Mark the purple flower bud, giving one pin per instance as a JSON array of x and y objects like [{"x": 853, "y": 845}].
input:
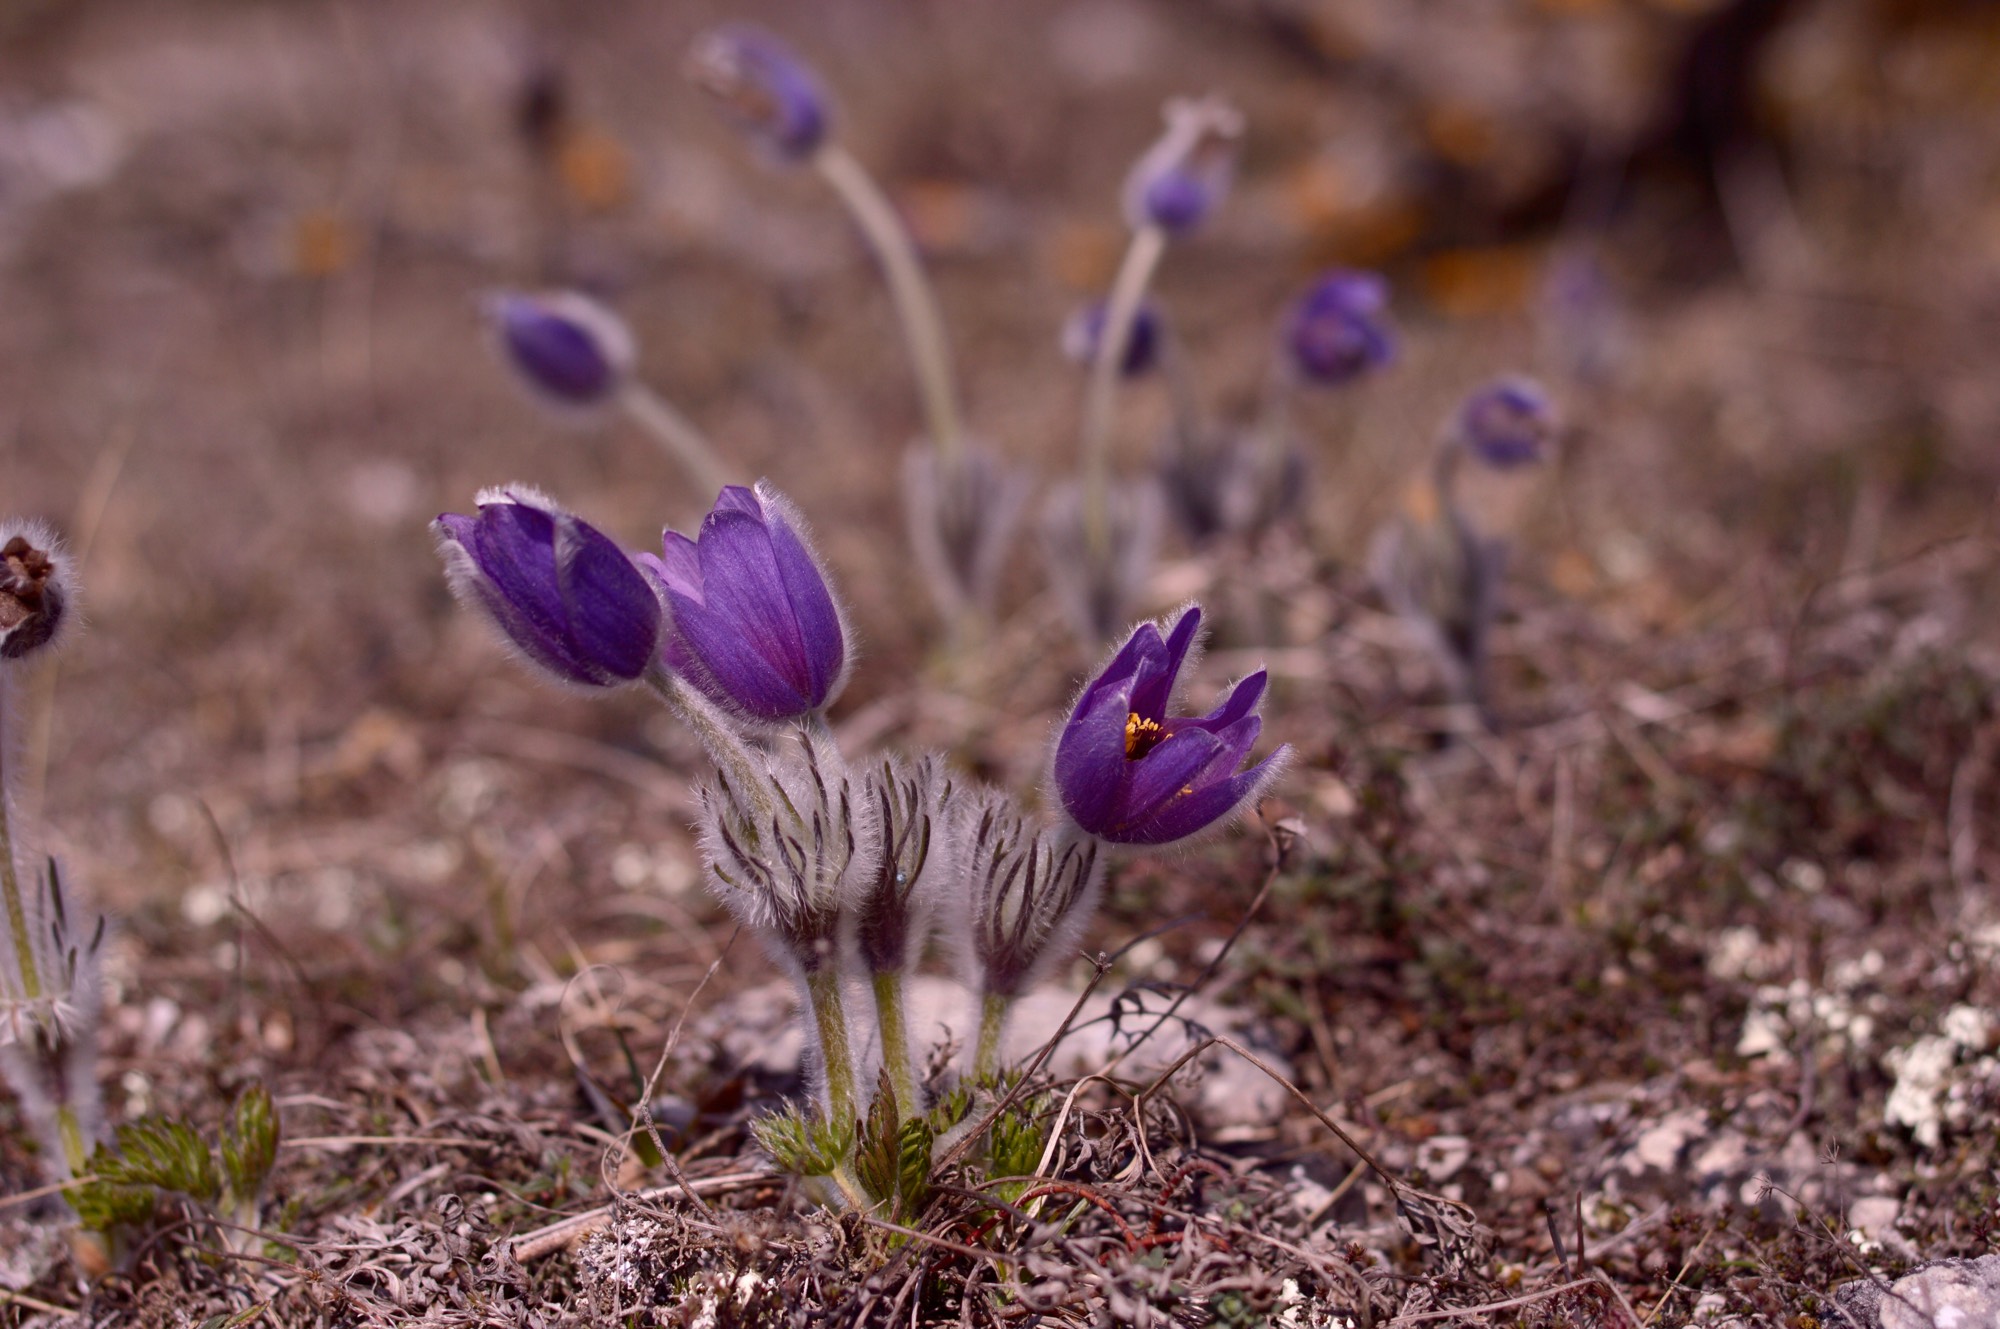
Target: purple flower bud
[
  {"x": 1187, "y": 171},
  {"x": 1508, "y": 423},
  {"x": 1337, "y": 332},
  {"x": 753, "y": 621},
  {"x": 1085, "y": 329},
  {"x": 569, "y": 350},
  {"x": 1129, "y": 772},
  {"x": 764, "y": 87},
  {"x": 34, "y": 589},
  {"x": 560, "y": 590}
]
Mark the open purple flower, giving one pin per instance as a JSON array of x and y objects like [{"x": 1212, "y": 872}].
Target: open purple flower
[
  {"x": 1508, "y": 423},
  {"x": 1338, "y": 330},
  {"x": 764, "y": 87},
  {"x": 753, "y": 621},
  {"x": 559, "y": 589},
  {"x": 1085, "y": 329},
  {"x": 1187, "y": 171},
  {"x": 1130, "y": 773},
  {"x": 570, "y": 350}
]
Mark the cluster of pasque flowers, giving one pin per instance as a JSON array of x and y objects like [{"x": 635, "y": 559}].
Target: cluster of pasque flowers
[
  {"x": 847, "y": 869},
  {"x": 50, "y": 982},
  {"x": 1218, "y": 479}
]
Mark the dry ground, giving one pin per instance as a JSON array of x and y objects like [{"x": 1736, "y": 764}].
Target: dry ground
[{"x": 1637, "y": 976}]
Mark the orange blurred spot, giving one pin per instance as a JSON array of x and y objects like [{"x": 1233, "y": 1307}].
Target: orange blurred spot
[
  {"x": 1084, "y": 255},
  {"x": 1461, "y": 133},
  {"x": 1346, "y": 220},
  {"x": 595, "y": 169},
  {"x": 1568, "y": 7},
  {"x": 1420, "y": 502},
  {"x": 322, "y": 243},
  {"x": 940, "y": 213},
  {"x": 1573, "y": 574},
  {"x": 1471, "y": 283}
]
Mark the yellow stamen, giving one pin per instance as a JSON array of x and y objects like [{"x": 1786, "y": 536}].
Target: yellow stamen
[{"x": 1141, "y": 735}]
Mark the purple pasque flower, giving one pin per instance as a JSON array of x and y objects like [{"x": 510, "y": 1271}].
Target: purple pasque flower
[
  {"x": 764, "y": 87},
  {"x": 558, "y": 588},
  {"x": 1129, "y": 772},
  {"x": 1338, "y": 330},
  {"x": 1508, "y": 423},
  {"x": 34, "y": 589},
  {"x": 1187, "y": 171},
  {"x": 569, "y": 350},
  {"x": 753, "y": 621},
  {"x": 1143, "y": 345}
]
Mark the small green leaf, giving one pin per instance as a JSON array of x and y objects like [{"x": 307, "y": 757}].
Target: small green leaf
[
  {"x": 250, "y": 1143},
  {"x": 105, "y": 1203},
  {"x": 877, "y": 1162},
  {"x": 913, "y": 1168},
  {"x": 167, "y": 1153}
]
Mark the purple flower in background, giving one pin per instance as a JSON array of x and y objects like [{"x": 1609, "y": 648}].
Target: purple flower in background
[
  {"x": 570, "y": 350},
  {"x": 1508, "y": 423},
  {"x": 562, "y": 591},
  {"x": 753, "y": 621},
  {"x": 1143, "y": 344},
  {"x": 1187, "y": 171},
  {"x": 34, "y": 589},
  {"x": 764, "y": 87},
  {"x": 1130, "y": 773},
  {"x": 1337, "y": 331}
]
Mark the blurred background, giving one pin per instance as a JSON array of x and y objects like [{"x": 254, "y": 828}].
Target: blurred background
[{"x": 1752, "y": 246}]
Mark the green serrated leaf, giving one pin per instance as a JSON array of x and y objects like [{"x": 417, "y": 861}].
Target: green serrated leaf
[
  {"x": 167, "y": 1153},
  {"x": 913, "y": 1165},
  {"x": 1015, "y": 1144},
  {"x": 250, "y": 1143},
  {"x": 787, "y": 1137},
  {"x": 247, "y": 1316},
  {"x": 950, "y": 1110},
  {"x": 105, "y": 1203},
  {"x": 878, "y": 1159}
]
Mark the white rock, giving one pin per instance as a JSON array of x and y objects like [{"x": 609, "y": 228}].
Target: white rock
[{"x": 1952, "y": 1294}]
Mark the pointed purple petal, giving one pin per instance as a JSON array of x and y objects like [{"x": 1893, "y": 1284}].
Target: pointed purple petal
[
  {"x": 1197, "y": 811},
  {"x": 1090, "y": 764},
  {"x": 1160, "y": 776},
  {"x": 746, "y": 632},
  {"x": 815, "y": 615},
  {"x": 513, "y": 547},
  {"x": 739, "y": 498},
  {"x": 1242, "y": 700},
  {"x": 677, "y": 567},
  {"x": 614, "y": 614},
  {"x": 1156, "y": 688}
]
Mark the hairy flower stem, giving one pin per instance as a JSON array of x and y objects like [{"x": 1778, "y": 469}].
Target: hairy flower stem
[
  {"x": 677, "y": 435},
  {"x": 1128, "y": 291},
  {"x": 829, "y": 1010},
  {"x": 10, "y": 879},
  {"x": 916, "y": 304},
  {"x": 890, "y": 1015},
  {"x": 722, "y": 743},
  {"x": 993, "y": 1010}
]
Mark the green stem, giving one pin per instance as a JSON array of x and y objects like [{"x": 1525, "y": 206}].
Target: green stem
[
  {"x": 678, "y": 435},
  {"x": 830, "y": 1018},
  {"x": 76, "y": 1150},
  {"x": 10, "y": 880},
  {"x": 992, "y": 1023},
  {"x": 916, "y": 304},
  {"x": 896, "y": 1043},
  {"x": 1128, "y": 291},
  {"x": 723, "y": 744}
]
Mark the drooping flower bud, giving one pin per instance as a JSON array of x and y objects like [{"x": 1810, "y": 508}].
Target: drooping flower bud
[
  {"x": 570, "y": 351},
  {"x": 1187, "y": 171},
  {"x": 1508, "y": 423},
  {"x": 1442, "y": 579},
  {"x": 963, "y": 521},
  {"x": 764, "y": 87},
  {"x": 559, "y": 590},
  {"x": 1100, "y": 592},
  {"x": 34, "y": 590},
  {"x": 753, "y": 619},
  {"x": 1338, "y": 330},
  {"x": 1085, "y": 329},
  {"x": 1034, "y": 888},
  {"x": 913, "y": 802},
  {"x": 1129, "y": 772}
]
